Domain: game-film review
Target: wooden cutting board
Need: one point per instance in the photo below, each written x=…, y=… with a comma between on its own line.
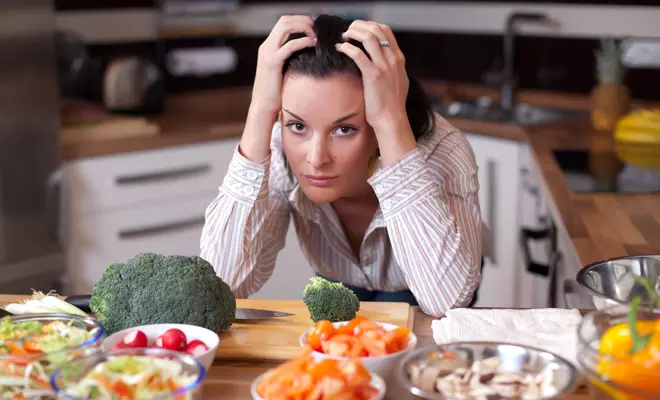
x=277, y=339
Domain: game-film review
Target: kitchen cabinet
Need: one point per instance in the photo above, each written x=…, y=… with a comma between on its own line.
x=498, y=163
x=536, y=249
x=153, y=201
x=546, y=256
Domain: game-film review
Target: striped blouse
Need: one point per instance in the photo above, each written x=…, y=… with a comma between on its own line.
x=425, y=236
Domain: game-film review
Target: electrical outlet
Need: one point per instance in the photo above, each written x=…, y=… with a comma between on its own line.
x=641, y=53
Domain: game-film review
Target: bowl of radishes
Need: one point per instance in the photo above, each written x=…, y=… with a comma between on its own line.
x=199, y=342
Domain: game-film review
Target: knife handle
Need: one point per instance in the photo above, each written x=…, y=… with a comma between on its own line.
x=81, y=301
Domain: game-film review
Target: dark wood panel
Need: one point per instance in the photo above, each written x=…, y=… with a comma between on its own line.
x=611, y=2
x=70, y=5
x=564, y=64
x=112, y=4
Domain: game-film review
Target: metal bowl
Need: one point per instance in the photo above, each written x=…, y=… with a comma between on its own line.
x=611, y=282
x=514, y=358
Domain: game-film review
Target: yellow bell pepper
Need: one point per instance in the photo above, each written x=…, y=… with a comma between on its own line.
x=632, y=358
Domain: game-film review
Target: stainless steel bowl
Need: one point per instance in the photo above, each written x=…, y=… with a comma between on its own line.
x=611, y=282
x=515, y=358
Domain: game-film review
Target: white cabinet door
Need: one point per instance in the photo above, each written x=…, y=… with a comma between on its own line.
x=497, y=160
x=96, y=241
x=292, y=272
x=125, y=180
x=534, y=217
x=569, y=294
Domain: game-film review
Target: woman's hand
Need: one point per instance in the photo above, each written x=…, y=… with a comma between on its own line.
x=385, y=86
x=267, y=89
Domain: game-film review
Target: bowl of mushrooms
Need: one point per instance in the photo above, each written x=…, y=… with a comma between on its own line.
x=485, y=370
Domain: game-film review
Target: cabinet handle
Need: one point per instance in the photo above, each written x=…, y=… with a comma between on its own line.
x=491, y=171
x=176, y=173
x=135, y=233
x=526, y=235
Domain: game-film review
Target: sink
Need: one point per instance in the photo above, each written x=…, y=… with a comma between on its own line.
x=521, y=114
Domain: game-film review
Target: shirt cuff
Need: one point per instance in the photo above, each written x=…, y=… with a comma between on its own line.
x=403, y=182
x=246, y=180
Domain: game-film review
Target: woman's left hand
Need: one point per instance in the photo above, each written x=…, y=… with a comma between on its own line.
x=385, y=86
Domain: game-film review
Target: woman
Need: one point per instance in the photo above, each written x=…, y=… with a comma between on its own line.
x=383, y=193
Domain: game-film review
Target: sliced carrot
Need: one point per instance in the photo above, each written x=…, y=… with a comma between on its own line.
x=32, y=346
x=15, y=348
x=103, y=381
x=121, y=389
x=302, y=378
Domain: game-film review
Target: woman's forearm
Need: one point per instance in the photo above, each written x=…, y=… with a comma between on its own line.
x=255, y=141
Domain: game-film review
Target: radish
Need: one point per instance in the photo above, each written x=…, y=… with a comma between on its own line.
x=172, y=339
x=196, y=348
x=135, y=339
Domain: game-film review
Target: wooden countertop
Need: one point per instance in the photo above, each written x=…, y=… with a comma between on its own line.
x=600, y=225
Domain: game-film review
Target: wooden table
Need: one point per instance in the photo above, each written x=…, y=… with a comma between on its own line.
x=231, y=380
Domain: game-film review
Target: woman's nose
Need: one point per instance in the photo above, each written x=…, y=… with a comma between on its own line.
x=319, y=152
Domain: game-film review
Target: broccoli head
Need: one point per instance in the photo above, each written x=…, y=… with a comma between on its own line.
x=330, y=301
x=153, y=289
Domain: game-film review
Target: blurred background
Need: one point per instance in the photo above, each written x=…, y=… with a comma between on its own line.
x=118, y=119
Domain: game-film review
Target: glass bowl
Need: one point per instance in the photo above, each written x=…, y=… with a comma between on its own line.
x=66, y=377
x=609, y=377
x=26, y=370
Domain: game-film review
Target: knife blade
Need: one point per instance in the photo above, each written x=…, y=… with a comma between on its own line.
x=242, y=314
x=247, y=314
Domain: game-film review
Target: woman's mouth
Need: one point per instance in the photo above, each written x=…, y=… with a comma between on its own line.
x=320, y=181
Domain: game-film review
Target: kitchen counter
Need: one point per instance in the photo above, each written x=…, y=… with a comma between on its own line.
x=231, y=380
x=599, y=225
x=190, y=118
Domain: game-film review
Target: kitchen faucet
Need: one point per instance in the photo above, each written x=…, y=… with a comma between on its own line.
x=508, y=76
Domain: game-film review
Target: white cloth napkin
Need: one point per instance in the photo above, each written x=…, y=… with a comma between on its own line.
x=550, y=329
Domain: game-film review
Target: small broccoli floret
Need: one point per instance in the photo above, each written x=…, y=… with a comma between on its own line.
x=330, y=301
x=153, y=289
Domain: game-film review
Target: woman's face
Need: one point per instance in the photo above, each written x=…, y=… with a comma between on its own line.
x=325, y=136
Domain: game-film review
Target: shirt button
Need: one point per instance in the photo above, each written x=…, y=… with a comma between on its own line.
x=248, y=190
x=386, y=204
x=251, y=175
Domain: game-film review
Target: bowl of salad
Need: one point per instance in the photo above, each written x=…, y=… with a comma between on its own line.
x=33, y=346
x=132, y=373
x=304, y=377
x=378, y=345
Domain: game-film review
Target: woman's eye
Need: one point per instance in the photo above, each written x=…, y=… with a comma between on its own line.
x=344, y=130
x=296, y=127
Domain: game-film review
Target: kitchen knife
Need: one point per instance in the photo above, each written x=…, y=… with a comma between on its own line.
x=242, y=314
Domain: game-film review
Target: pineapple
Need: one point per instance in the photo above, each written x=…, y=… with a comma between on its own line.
x=610, y=100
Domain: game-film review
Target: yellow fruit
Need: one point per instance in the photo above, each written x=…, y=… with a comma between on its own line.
x=640, y=126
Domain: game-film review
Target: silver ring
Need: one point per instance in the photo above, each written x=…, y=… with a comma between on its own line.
x=385, y=43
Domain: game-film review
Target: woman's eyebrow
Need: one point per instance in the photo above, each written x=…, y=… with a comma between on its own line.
x=345, y=117
x=292, y=114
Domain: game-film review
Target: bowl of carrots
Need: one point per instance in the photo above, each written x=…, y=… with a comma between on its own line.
x=378, y=345
x=305, y=377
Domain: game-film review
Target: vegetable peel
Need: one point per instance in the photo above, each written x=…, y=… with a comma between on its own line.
x=40, y=303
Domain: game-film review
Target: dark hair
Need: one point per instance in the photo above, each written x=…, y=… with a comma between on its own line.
x=324, y=60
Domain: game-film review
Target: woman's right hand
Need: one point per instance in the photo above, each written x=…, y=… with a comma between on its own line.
x=273, y=52
x=267, y=89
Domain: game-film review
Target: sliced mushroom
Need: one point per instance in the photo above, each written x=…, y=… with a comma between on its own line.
x=428, y=378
